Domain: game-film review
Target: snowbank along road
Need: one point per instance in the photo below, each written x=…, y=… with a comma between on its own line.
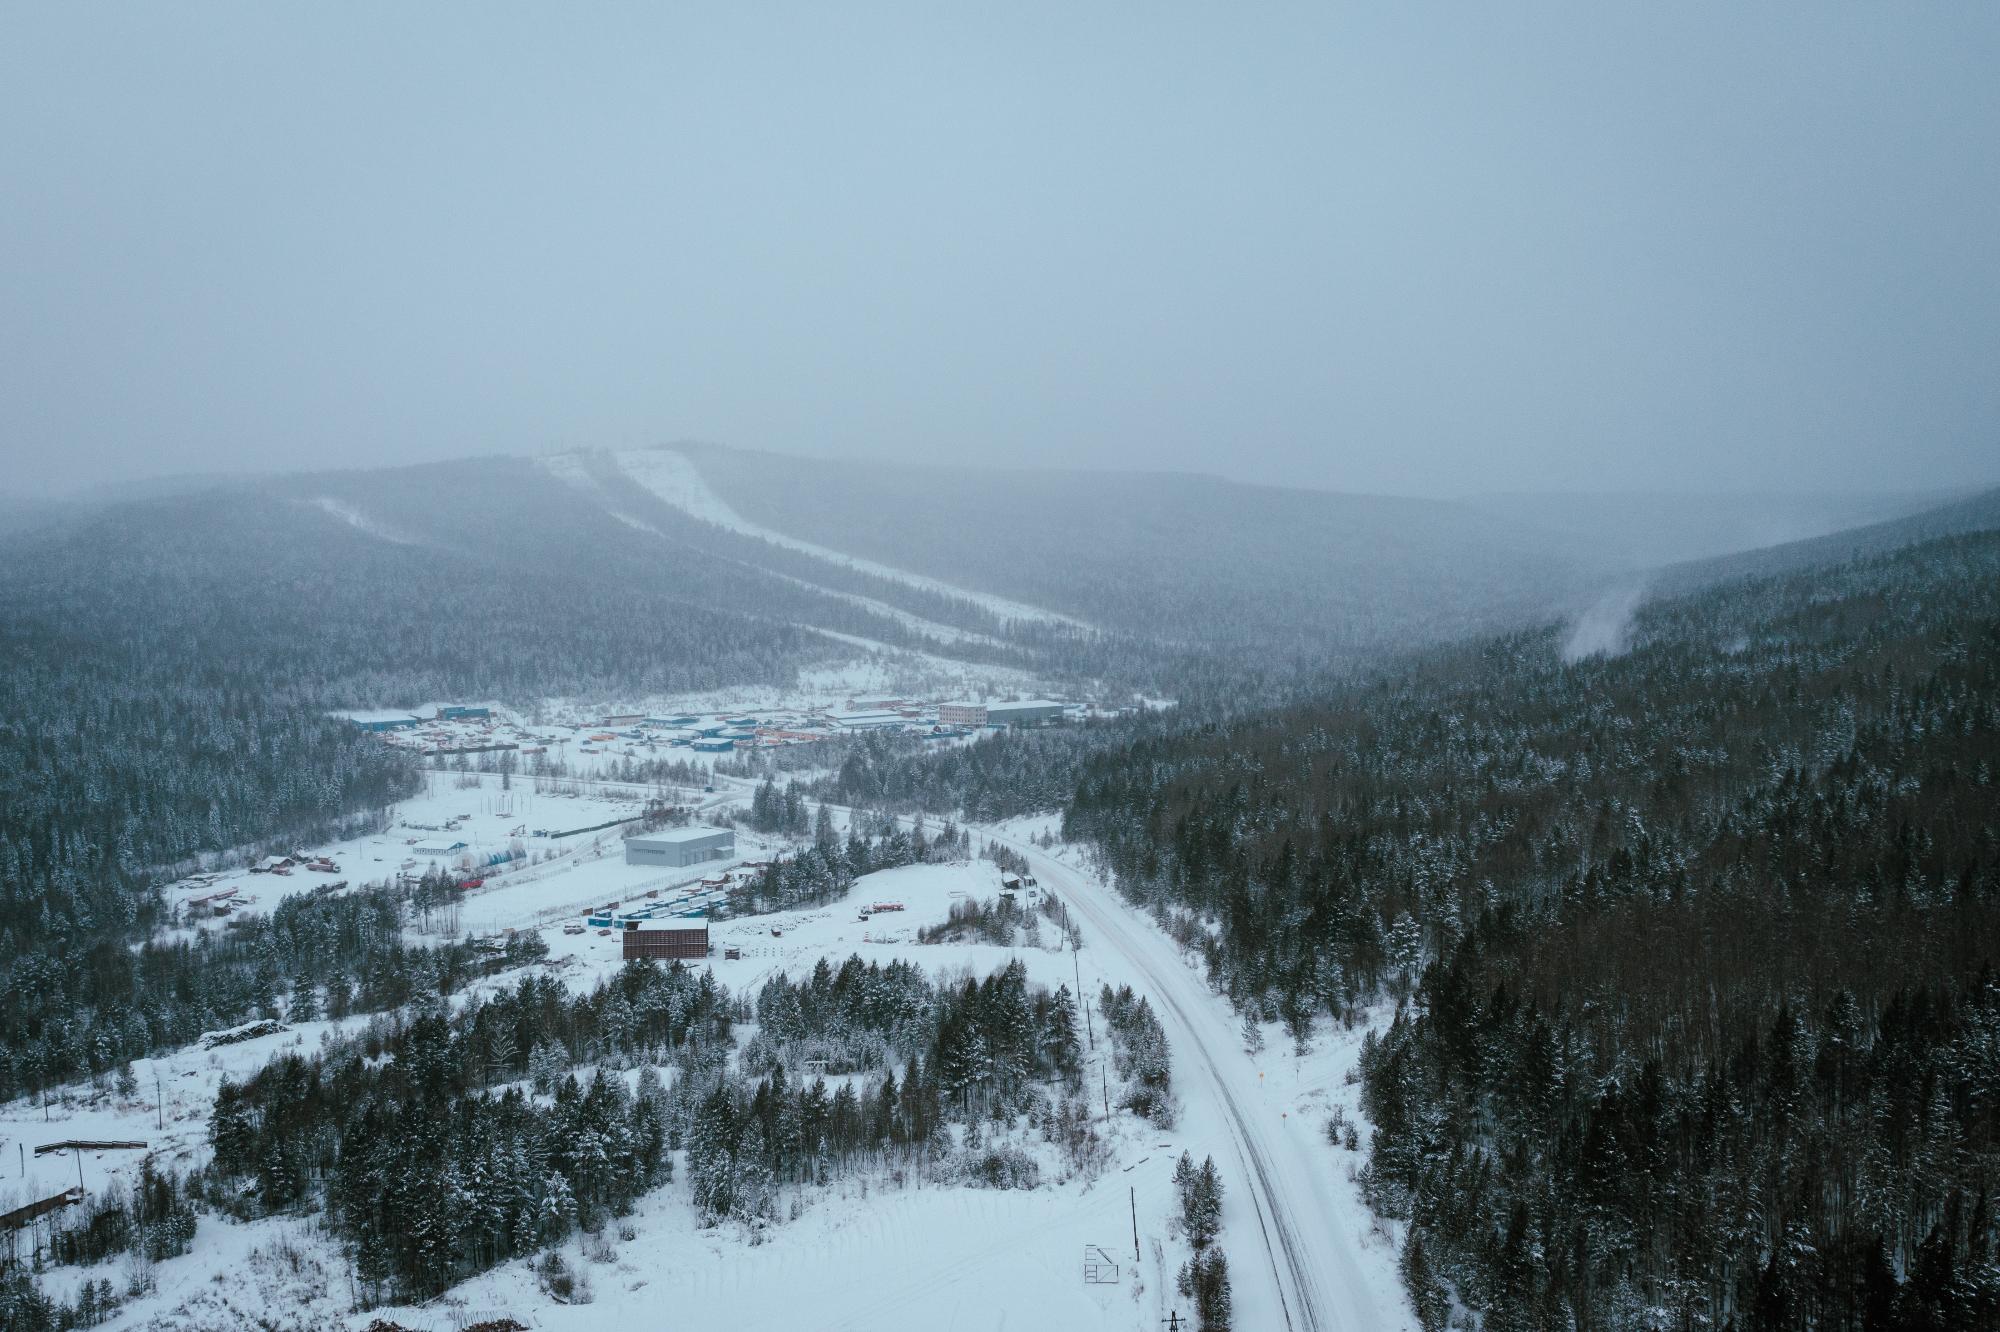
x=1310, y=1277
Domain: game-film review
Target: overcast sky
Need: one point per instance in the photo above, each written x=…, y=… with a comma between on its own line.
x=1441, y=250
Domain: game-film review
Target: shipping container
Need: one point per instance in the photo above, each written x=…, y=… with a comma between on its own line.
x=670, y=941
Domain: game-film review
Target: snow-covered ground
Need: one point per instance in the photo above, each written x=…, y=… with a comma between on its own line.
x=1304, y=1250
x=674, y=478
x=559, y=876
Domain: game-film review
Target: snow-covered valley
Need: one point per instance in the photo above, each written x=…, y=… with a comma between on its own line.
x=888, y=1251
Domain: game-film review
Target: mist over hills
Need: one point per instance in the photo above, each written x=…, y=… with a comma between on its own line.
x=1171, y=556
x=1978, y=512
x=682, y=567
x=1642, y=530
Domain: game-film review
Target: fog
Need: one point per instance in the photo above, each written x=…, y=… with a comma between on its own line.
x=1604, y=629
x=1444, y=250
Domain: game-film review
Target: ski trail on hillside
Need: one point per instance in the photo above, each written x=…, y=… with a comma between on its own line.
x=358, y=520
x=948, y=633
x=569, y=469
x=673, y=478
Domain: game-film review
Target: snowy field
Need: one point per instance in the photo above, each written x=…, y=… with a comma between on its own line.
x=874, y=1255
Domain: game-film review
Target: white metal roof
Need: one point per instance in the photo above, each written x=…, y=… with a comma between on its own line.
x=677, y=835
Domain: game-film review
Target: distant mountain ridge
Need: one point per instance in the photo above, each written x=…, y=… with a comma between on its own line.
x=1973, y=513
x=1643, y=530
x=1136, y=578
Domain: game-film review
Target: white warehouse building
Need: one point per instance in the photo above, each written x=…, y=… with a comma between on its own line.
x=1028, y=712
x=677, y=848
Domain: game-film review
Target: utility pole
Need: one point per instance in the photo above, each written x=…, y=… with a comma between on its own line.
x=159, y=1098
x=1173, y=1321
x=1133, y=1194
x=1105, y=1078
x=1082, y=1000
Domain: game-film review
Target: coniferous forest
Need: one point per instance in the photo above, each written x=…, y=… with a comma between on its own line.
x=1693, y=948
x=448, y=1141
x=1683, y=958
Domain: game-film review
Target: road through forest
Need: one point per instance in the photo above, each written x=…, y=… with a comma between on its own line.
x=1309, y=1238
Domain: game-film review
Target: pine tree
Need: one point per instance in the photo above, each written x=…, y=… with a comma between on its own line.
x=556, y=1212
x=1206, y=1214
x=1427, y=1294
x=1187, y=1180
x=546, y=1063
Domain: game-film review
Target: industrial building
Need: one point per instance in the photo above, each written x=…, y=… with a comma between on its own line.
x=1028, y=712
x=713, y=744
x=385, y=721
x=456, y=713
x=868, y=721
x=961, y=714
x=676, y=848
x=680, y=939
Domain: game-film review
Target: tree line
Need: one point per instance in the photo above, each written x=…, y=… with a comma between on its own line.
x=316, y=954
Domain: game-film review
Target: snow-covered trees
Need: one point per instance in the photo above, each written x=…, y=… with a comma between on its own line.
x=1199, y=1191
x=348, y=947
x=828, y=868
x=1698, y=942
x=776, y=811
x=1204, y=1278
x=433, y=1162
x=1142, y=1056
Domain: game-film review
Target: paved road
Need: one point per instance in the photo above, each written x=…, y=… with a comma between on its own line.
x=1322, y=1285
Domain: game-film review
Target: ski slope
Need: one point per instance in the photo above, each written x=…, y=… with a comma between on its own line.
x=358, y=520
x=1311, y=1275
x=569, y=469
x=674, y=478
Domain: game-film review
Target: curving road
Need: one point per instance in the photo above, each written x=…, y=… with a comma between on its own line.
x=1322, y=1284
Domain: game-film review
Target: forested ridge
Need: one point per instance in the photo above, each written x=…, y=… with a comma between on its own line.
x=1267, y=577
x=1697, y=942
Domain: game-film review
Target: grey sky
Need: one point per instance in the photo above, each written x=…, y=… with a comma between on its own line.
x=1440, y=250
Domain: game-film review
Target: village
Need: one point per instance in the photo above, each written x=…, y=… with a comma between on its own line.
x=454, y=729
x=558, y=841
